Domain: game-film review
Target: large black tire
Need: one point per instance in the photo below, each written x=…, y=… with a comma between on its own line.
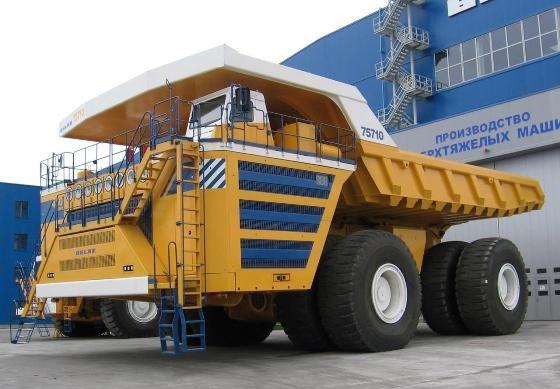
x=476, y=283
x=439, y=301
x=223, y=331
x=299, y=314
x=121, y=323
x=80, y=329
x=345, y=293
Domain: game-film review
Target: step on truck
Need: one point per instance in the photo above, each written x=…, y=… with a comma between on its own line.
x=226, y=194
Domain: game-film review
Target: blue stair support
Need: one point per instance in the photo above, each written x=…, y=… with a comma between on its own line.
x=183, y=328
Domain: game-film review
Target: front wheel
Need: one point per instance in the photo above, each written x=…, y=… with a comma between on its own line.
x=130, y=319
x=369, y=293
x=299, y=315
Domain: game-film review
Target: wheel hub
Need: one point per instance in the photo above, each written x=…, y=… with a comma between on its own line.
x=142, y=311
x=508, y=286
x=389, y=293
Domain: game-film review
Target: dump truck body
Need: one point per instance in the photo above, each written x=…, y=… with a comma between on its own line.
x=228, y=192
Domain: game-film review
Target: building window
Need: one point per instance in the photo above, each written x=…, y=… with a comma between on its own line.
x=509, y=46
x=22, y=209
x=20, y=242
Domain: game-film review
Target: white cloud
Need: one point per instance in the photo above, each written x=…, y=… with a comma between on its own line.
x=58, y=54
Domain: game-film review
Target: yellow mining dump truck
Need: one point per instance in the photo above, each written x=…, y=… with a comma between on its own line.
x=227, y=194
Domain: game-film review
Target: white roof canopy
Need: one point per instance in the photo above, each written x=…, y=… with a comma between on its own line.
x=121, y=108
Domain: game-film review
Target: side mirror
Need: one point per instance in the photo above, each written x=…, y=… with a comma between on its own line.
x=243, y=100
x=242, y=106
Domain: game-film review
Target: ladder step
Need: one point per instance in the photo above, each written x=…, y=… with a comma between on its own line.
x=195, y=321
x=192, y=293
x=167, y=311
x=166, y=326
x=158, y=158
x=195, y=336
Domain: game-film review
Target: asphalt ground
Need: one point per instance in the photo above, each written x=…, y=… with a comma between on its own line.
x=528, y=359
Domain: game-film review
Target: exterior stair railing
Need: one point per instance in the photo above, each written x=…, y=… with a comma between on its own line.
x=410, y=85
x=390, y=68
x=406, y=38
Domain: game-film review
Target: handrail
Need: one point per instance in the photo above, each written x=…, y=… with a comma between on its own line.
x=174, y=244
x=13, y=311
x=155, y=125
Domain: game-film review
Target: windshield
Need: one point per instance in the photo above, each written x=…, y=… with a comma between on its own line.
x=209, y=116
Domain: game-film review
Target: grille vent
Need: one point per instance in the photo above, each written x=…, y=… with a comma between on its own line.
x=88, y=262
x=87, y=240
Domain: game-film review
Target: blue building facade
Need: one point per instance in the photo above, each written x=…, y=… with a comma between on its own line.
x=20, y=215
x=351, y=53
x=475, y=81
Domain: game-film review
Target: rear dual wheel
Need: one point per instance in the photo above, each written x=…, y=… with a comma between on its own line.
x=439, y=301
x=479, y=288
x=491, y=287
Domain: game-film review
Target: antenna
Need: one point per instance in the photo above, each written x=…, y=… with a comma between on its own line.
x=172, y=107
x=169, y=86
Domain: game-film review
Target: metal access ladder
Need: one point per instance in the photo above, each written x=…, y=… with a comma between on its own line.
x=23, y=328
x=27, y=314
x=182, y=318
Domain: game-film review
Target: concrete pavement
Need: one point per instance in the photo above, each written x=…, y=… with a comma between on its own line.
x=529, y=359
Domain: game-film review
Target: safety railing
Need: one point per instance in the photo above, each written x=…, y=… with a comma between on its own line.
x=385, y=20
x=406, y=37
x=416, y=84
x=409, y=85
x=115, y=153
x=95, y=175
x=268, y=130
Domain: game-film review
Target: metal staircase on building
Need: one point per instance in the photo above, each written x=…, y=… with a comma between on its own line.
x=406, y=38
x=389, y=16
x=408, y=85
x=182, y=318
